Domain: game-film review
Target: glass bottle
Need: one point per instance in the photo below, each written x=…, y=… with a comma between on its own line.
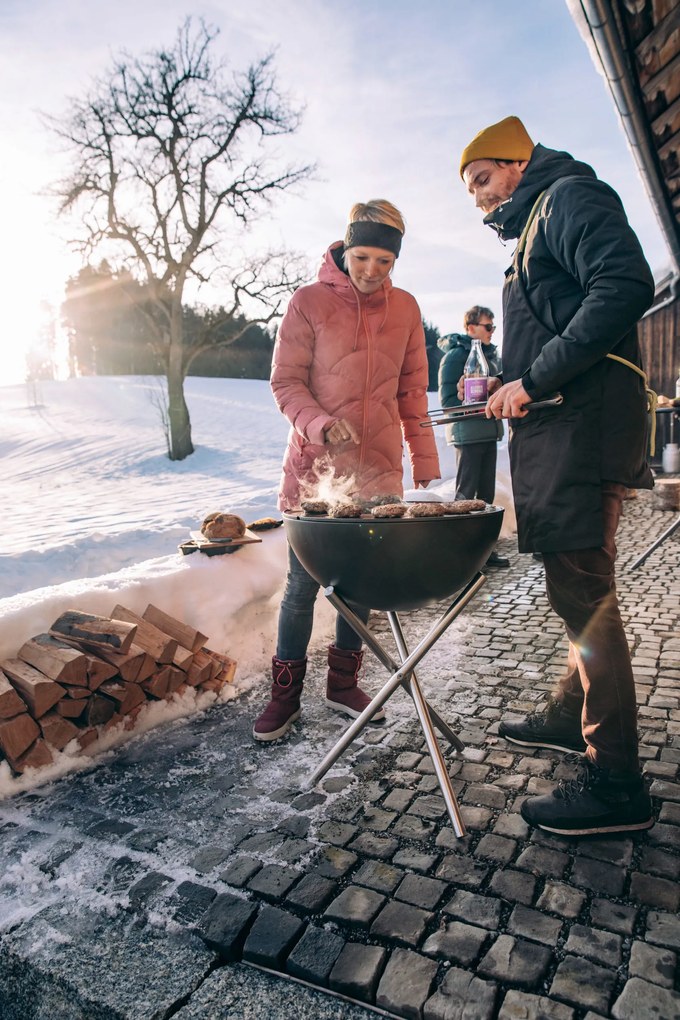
x=476, y=375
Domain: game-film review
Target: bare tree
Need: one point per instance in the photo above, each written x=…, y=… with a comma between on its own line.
x=169, y=165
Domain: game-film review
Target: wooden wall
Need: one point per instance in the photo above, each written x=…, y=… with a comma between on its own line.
x=659, y=334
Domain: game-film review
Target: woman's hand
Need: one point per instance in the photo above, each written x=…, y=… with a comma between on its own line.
x=508, y=401
x=342, y=432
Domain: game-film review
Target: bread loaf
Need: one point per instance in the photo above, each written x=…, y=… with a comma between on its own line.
x=219, y=527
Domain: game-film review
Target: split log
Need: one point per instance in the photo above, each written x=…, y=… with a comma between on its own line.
x=17, y=735
x=57, y=731
x=98, y=670
x=186, y=636
x=183, y=658
x=126, y=696
x=70, y=709
x=227, y=666
x=172, y=677
x=98, y=632
x=36, y=757
x=77, y=693
x=134, y=663
x=56, y=659
x=98, y=710
x=115, y=720
x=39, y=693
x=156, y=685
x=87, y=737
x=10, y=702
x=160, y=646
x=201, y=668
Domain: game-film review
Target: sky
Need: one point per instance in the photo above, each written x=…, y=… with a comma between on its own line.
x=108, y=511
x=391, y=95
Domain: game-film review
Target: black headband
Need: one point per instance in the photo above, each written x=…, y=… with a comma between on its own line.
x=373, y=235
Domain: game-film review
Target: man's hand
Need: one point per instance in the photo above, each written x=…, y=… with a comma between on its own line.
x=342, y=432
x=494, y=384
x=422, y=485
x=508, y=401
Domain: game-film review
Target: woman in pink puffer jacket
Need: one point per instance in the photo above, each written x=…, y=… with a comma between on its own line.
x=350, y=374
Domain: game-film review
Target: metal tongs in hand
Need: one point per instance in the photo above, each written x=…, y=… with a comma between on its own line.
x=444, y=415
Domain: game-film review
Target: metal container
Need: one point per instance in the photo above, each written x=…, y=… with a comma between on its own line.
x=394, y=564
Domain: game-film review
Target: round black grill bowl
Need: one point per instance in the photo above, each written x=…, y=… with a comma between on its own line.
x=397, y=564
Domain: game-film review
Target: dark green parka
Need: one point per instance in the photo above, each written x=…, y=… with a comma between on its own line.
x=587, y=283
x=456, y=347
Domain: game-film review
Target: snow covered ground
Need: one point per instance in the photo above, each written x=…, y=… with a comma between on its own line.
x=94, y=512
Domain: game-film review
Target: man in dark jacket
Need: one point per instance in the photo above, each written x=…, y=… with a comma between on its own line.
x=475, y=439
x=577, y=286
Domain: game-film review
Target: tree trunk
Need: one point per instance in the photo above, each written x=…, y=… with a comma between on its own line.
x=179, y=424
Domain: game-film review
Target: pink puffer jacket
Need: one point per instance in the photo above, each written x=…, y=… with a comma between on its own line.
x=341, y=354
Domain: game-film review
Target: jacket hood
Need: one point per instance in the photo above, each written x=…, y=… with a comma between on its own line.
x=332, y=273
x=545, y=167
x=463, y=340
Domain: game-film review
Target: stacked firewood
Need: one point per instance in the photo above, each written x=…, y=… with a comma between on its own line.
x=90, y=673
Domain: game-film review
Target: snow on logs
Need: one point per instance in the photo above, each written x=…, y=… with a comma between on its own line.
x=90, y=673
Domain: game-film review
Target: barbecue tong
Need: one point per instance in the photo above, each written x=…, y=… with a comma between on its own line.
x=444, y=415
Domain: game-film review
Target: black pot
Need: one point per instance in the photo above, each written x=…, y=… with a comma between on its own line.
x=394, y=564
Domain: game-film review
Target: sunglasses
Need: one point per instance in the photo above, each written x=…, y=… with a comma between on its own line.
x=488, y=326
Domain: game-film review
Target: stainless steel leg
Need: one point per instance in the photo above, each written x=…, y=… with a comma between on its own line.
x=404, y=671
x=422, y=710
x=655, y=545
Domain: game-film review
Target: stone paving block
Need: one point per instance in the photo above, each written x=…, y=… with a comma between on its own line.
x=208, y=858
x=273, y=881
x=670, y=813
x=523, y=1006
x=374, y=846
x=306, y=801
x=515, y=886
x=312, y=893
x=484, y=794
x=412, y=827
x=659, y=862
x=512, y=825
x=226, y=923
x=655, y=892
x=333, y=862
x=376, y=819
x=663, y=929
x=599, y=877
x=398, y=800
x=110, y=827
x=357, y=971
x=428, y=807
x=462, y=871
x=665, y=835
x=260, y=843
x=457, y=942
x=583, y=984
x=271, y=937
x=313, y=958
x=542, y=861
x=406, y=983
x=482, y=911
x=515, y=960
x=532, y=924
x=600, y=946
x=355, y=905
x=378, y=875
x=476, y=818
x=463, y=995
x=415, y=860
x=617, y=917
x=421, y=891
x=611, y=850
x=62, y=965
x=294, y=825
x=641, y=1000
x=652, y=964
x=292, y=851
x=337, y=833
x=147, y=889
x=401, y=922
x=240, y=870
x=496, y=848
x=192, y=901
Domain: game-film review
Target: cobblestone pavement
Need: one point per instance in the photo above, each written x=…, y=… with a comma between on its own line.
x=141, y=888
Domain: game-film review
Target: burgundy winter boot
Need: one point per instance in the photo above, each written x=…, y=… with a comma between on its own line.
x=284, y=708
x=342, y=690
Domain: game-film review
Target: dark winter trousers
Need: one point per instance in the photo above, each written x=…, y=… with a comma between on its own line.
x=296, y=617
x=476, y=475
x=599, y=683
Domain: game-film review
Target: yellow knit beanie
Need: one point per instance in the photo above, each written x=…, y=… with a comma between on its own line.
x=508, y=139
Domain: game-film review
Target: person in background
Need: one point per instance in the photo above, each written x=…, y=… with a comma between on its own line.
x=475, y=439
x=577, y=286
x=350, y=374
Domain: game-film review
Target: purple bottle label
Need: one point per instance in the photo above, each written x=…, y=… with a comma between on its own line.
x=476, y=389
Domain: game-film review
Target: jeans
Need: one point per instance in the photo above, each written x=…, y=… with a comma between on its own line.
x=599, y=682
x=296, y=617
x=476, y=474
